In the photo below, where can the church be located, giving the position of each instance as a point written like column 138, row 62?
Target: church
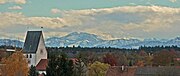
column 35, row 51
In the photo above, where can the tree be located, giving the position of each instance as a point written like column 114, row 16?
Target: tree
column 80, row 68
column 52, row 66
column 15, row 65
column 163, row 58
column 121, row 59
column 98, row 69
column 110, row 59
column 148, row 60
column 89, row 57
column 33, row 71
column 2, row 54
column 140, row 63
column 143, row 53
column 70, row 68
column 59, row 65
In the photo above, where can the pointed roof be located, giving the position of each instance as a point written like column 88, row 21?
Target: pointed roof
column 32, row 41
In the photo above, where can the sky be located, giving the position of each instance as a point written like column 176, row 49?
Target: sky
column 109, row 19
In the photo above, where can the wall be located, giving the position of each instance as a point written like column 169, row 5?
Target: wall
column 32, row 59
column 41, row 47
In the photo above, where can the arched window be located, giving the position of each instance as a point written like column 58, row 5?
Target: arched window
column 30, row 56
column 26, row 55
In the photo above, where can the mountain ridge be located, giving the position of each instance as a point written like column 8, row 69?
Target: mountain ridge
column 90, row 40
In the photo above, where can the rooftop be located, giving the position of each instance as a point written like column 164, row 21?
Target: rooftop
column 32, row 41
column 41, row 66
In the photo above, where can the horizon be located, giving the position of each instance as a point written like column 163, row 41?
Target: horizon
column 80, row 33
column 108, row 19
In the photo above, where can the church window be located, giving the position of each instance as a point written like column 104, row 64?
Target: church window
column 30, row 56
column 27, row 56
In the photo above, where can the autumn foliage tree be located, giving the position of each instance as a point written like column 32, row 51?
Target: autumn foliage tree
column 120, row 58
column 110, row 59
column 163, row 58
column 140, row 63
column 97, row 69
column 15, row 65
column 148, row 60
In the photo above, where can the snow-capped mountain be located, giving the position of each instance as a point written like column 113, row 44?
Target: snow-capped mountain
column 10, row 42
column 91, row 40
column 74, row 39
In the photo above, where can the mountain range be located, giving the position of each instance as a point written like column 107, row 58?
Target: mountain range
column 90, row 40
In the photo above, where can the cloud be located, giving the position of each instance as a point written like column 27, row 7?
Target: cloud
column 109, row 23
column 173, row 1
column 15, row 8
column 132, row 4
column 55, row 11
column 10, row 19
column 127, row 21
column 20, row 1
column 14, row 1
column 2, row 1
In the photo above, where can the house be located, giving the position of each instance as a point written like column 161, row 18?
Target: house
column 144, row 71
column 160, row 71
column 117, row 71
column 41, row 66
column 34, row 50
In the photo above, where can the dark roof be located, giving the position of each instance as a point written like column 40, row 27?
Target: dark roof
column 41, row 66
column 146, row 71
column 32, row 41
column 116, row 71
column 153, row 71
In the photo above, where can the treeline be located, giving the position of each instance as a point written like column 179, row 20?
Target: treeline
column 147, row 49
column 103, row 49
column 144, row 56
column 158, row 48
column 84, row 61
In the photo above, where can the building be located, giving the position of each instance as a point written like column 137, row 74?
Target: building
column 118, row 71
column 34, row 50
column 144, row 71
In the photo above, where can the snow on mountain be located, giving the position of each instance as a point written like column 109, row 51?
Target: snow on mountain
column 9, row 42
column 91, row 40
column 74, row 39
column 175, row 41
column 118, row 43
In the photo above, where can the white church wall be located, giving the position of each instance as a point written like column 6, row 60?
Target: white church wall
column 41, row 52
column 31, row 59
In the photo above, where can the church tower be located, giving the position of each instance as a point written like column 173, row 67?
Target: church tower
column 34, row 47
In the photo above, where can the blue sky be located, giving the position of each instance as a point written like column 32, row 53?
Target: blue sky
column 109, row 19
column 43, row 7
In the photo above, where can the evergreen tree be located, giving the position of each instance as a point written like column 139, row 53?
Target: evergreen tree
column 80, row 68
column 52, row 66
column 59, row 65
column 33, row 71
column 70, row 67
